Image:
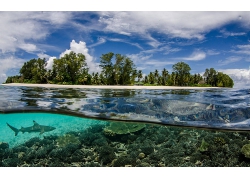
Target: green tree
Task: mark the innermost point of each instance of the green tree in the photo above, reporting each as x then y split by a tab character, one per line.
164	76
34	71
156	75
151	78
139	75
107	67
128	72
210	76
70	69
223	80
182	69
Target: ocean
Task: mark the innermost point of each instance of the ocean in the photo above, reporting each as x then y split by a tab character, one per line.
116	127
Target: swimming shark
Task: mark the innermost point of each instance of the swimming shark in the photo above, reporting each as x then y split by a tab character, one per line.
35	128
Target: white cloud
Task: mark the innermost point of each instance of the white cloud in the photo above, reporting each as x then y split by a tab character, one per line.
19	29
226	33
212	52
188	25
195	56
139	58
124	41
7	63
50	62
229	60
82	48
242	49
241	77
100	41
3	78
42	55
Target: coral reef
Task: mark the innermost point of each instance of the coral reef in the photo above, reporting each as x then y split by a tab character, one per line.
246	150
155	146
67	139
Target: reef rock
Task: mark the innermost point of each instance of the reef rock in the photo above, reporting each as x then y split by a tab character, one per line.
122	128
246	150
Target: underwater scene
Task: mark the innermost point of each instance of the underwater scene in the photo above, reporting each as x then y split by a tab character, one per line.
77	127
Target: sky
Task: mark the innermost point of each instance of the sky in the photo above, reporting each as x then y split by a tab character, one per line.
152	39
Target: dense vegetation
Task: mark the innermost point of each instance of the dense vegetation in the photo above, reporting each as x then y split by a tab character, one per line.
117	69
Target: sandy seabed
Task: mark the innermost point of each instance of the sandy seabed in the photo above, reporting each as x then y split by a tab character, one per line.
104	86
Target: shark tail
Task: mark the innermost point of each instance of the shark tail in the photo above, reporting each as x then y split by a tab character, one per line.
14	129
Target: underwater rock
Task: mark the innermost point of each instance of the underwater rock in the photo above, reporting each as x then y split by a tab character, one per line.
66	139
122	128
141	155
106	154
32	141
4	145
124	162
246	150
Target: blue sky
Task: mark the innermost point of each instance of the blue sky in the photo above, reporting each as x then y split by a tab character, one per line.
152	39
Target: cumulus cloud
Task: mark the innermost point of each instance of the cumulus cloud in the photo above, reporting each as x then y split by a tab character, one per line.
241	77
42	55
188	25
10	62
50	62
82	48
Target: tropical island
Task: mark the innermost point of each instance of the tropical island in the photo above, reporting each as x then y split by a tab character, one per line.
116	69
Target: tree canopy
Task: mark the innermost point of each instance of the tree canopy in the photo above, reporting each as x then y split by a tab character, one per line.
116	69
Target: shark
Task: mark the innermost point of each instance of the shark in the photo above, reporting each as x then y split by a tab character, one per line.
35	128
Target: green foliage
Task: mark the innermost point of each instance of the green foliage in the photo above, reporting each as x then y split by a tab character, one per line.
34	71
71	69
122	72
181	70
117	69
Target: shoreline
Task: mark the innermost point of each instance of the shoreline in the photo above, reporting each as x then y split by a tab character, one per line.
105	86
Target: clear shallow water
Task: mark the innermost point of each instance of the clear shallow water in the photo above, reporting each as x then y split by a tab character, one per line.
62	123
227	109
87	135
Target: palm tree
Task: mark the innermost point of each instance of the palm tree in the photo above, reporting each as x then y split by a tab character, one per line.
164	76
156	74
139	75
151	78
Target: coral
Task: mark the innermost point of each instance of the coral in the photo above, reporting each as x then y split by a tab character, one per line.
124	162
106	154
219	141
122	128
32	142
4	145
246	150
66	139
204	146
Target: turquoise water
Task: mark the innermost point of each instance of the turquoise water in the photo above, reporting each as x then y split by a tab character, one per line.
141	128
62	123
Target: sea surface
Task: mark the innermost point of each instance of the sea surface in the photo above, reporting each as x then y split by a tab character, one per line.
108	127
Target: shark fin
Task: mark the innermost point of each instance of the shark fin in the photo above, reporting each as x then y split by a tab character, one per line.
35	123
14	129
